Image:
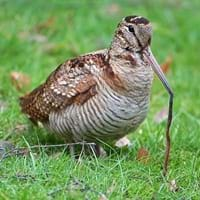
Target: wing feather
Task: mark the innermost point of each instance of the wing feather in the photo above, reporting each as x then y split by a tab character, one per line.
69	84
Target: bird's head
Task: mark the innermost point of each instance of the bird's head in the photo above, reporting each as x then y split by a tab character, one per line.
136	32
133	35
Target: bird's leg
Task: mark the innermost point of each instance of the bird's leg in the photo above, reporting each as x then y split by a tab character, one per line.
72	151
97	150
74	154
86	148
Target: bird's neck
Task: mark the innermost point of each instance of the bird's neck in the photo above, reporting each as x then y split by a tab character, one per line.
134	72
117	47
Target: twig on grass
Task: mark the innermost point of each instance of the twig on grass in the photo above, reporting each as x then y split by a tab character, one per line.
25	150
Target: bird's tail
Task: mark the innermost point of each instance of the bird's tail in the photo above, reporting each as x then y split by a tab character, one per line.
28	104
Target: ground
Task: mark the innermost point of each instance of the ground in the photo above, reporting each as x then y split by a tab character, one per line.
35	37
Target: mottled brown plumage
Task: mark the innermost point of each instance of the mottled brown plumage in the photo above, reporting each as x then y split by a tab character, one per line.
102	95
70	83
121	70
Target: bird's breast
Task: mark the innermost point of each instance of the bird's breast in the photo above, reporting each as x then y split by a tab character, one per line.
106	116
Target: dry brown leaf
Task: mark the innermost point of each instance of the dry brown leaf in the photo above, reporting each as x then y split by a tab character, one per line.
123	142
20	80
161	115
173	186
143	155
167	64
44	25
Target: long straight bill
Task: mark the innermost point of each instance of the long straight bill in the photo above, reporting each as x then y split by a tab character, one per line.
158	71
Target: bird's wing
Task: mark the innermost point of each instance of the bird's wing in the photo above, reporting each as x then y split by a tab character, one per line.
70	83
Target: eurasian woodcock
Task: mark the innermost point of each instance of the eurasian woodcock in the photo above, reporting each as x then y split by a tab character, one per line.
103	95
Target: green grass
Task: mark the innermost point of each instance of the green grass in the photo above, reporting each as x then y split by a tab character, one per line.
80	27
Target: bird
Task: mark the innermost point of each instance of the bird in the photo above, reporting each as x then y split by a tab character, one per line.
100	96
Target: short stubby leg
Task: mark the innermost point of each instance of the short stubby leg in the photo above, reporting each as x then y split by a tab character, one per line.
72	151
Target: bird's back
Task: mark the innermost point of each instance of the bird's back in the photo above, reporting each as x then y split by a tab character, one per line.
71	83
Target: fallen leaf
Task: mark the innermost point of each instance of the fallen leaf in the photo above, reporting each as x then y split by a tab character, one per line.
167	64
143	155
19	80
173	186
123	142
44	25
161	115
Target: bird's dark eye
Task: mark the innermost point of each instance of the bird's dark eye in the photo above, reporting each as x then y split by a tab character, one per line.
131	29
